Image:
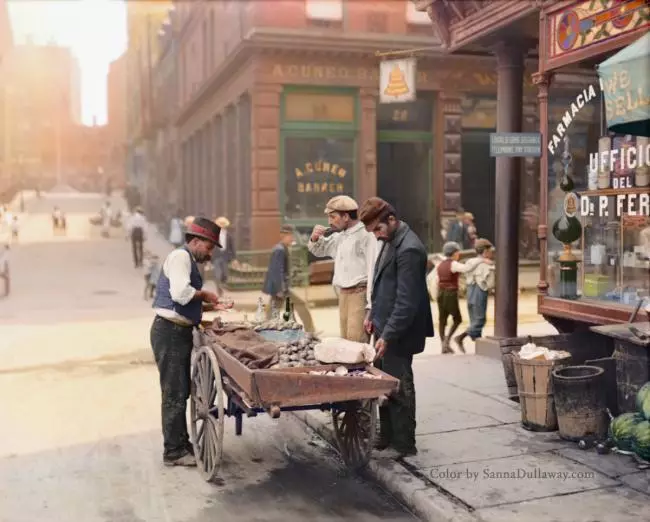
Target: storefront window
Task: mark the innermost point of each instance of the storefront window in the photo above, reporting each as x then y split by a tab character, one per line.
614	249
316	169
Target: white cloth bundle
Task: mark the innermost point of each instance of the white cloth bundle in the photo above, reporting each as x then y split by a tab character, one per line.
337	350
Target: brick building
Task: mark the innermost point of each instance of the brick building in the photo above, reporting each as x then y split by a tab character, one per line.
268	89
5	45
116	127
42	101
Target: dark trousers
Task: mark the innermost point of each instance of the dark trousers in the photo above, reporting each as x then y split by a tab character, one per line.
448	306
172	349
137	240
397	417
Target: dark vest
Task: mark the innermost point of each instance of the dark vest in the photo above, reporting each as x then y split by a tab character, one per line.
193	309
447	280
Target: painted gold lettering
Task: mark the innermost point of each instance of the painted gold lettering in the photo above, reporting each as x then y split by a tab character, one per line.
330	73
326	166
309	167
362	73
316	187
299	173
332	188
632	103
341	173
305	71
301	187
323	187
319	72
319	166
611	83
624	79
484	79
339	187
308	187
620	106
293	70
277	71
334	169
342	72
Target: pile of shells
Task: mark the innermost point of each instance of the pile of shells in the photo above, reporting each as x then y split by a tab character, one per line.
298	353
276	324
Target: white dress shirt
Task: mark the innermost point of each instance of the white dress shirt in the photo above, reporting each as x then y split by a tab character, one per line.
137	220
354	252
433	279
178	267
223	237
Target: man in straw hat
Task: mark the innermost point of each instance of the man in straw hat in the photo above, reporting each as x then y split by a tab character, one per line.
354	251
179	304
136	229
223	256
400	317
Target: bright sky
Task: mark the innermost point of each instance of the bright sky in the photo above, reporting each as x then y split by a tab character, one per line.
95	30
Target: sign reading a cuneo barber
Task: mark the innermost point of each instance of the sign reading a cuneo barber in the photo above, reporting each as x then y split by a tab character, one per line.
515	144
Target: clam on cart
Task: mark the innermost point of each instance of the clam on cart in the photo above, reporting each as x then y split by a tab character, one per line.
222	386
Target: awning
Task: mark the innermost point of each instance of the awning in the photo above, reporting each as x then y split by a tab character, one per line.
625	79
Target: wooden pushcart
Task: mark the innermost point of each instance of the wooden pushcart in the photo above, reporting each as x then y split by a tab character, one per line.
223	387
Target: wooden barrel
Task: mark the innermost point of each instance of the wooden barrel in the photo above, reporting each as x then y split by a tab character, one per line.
535	388
632	372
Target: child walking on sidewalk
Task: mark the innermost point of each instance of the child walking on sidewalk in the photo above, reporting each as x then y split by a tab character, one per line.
480	280
443	287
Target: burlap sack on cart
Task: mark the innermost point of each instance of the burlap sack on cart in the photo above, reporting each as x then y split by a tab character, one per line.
249	348
338	350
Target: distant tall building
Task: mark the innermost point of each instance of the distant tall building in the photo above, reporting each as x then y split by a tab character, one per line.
5	45
42	97
117	130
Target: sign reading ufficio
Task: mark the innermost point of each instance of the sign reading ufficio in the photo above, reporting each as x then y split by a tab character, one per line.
515	144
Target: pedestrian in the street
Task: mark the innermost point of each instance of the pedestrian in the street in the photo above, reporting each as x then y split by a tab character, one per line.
15	229
176	228
136	229
400	318
4	269
106	216
152	271
222	257
457	230
480	280
276	281
443	287
354	251
179	304
471	229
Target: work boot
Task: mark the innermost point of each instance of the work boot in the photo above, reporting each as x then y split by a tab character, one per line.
446	348
459	342
186	460
398	454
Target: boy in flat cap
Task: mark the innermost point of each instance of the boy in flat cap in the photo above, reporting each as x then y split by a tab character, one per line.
179	304
444	289
354	251
400	317
480	280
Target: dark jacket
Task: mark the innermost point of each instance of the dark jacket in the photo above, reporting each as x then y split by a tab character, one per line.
226	255
277	276
401	312
459	233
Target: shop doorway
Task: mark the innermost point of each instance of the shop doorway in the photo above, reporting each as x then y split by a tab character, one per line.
478	180
404	180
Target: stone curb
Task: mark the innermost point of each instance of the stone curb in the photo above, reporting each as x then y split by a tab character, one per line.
425	501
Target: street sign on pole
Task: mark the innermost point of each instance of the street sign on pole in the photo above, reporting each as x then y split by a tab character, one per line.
515	144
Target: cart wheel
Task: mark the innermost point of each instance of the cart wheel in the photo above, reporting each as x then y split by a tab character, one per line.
355	428
207	418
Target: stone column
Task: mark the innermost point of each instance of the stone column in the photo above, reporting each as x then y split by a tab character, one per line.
510	83
543	82
366	181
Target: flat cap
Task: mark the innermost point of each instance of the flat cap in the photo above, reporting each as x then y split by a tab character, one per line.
341	204
287	229
450	248
374	210
481	245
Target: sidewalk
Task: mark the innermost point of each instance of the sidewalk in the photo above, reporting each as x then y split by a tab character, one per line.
476	463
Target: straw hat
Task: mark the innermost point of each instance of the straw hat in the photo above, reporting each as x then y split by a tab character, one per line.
222	222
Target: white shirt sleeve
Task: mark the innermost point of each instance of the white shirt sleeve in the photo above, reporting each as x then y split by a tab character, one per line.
432	283
372	251
459	268
178	267
325	246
